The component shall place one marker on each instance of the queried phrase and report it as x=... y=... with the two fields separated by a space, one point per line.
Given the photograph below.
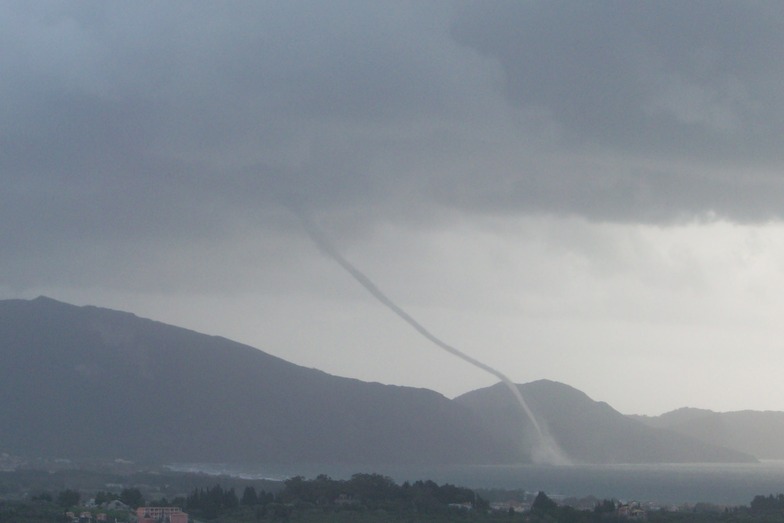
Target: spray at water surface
x=546 y=450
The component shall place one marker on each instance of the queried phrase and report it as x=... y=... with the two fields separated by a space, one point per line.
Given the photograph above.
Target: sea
x=665 y=484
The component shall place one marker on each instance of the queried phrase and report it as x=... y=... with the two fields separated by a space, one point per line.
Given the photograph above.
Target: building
x=161 y=515
x=115 y=504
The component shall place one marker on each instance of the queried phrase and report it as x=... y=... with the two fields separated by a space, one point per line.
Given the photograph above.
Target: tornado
x=546 y=451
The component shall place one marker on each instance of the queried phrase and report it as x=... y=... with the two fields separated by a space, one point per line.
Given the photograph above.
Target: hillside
x=82 y=382
x=86 y=382
x=754 y=432
x=586 y=430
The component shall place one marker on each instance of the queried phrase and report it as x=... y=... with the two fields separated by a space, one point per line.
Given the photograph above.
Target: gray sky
x=590 y=192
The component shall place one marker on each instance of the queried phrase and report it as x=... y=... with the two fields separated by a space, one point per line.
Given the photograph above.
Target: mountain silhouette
x=760 y=433
x=586 y=430
x=86 y=382
x=94 y=383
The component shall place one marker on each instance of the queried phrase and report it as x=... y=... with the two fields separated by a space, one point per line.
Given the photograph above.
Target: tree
x=43 y=496
x=607 y=506
x=68 y=498
x=249 y=496
x=543 y=504
x=230 y=499
x=372 y=488
x=132 y=497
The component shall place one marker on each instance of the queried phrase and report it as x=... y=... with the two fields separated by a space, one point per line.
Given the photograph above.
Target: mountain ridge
x=93 y=382
x=589 y=431
x=95 y=370
x=760 y=433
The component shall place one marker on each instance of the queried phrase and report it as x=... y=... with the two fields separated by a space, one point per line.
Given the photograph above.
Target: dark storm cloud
x=213 y=91
x=689 y=88
x=144 y=122
x=676 y=77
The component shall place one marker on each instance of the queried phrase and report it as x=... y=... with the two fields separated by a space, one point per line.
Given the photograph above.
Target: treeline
x=375 y=491
x=373 y=498
x=213 y=501
x=363 y=492
x=767 y=504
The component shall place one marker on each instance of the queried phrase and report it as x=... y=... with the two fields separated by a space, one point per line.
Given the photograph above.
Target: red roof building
x=161 y=515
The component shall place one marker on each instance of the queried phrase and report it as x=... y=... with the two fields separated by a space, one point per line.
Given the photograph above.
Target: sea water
x=723 y=484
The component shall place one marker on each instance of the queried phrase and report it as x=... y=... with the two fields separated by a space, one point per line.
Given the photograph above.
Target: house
x=512 y=504
x=632 y=511
x=115 y=504
x=161 y=515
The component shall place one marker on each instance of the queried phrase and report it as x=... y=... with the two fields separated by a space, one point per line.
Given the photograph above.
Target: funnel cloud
x=546 y=449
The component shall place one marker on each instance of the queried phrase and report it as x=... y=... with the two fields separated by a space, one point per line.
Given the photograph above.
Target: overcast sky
x=589 y=192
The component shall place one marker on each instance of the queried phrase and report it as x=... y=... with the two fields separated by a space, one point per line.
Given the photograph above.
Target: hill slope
x=754 y=432
x=586 y=430
x=88 y=382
